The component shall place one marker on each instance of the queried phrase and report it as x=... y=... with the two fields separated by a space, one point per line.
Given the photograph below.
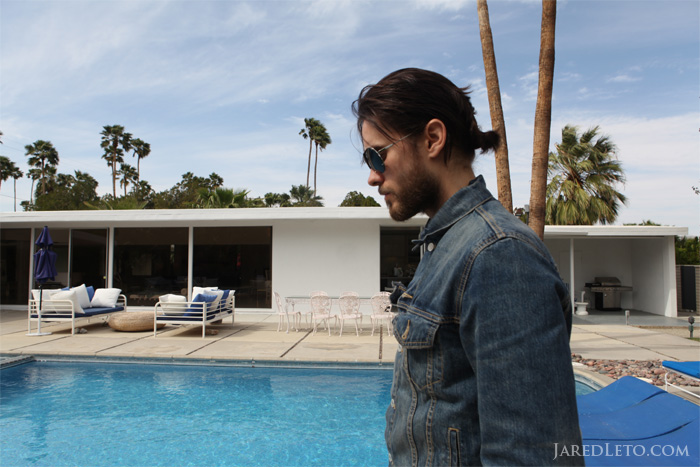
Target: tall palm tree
x=128 y=175
x=321 y=140
x=6 y=167
x=583 y=174
x=498 y=123
x=543 y=119
x=115 y=142
x=141 y=150
x=43 y=156
x=309 y=132
x=34 y=175
x=15 y=173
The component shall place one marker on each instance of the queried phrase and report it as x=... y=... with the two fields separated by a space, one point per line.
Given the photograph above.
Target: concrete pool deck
x=254 y=337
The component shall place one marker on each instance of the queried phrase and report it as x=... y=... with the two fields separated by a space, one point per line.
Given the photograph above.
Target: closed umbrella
x=44 y=269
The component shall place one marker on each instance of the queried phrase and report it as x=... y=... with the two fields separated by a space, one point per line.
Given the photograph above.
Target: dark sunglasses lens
x=374 y=160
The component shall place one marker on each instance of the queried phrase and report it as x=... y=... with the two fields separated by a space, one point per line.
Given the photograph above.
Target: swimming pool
x=58 y=413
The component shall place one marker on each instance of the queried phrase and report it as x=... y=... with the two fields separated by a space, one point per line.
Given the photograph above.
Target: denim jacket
x=483 y=374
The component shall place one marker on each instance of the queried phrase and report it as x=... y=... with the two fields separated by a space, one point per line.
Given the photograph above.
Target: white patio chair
x=380 y=310
x=321 y=310
x=283 y=313
x=349 y=304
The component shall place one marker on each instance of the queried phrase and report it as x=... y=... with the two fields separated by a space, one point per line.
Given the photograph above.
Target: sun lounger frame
x=63 y=311
x=194 y=313
x=679 y=372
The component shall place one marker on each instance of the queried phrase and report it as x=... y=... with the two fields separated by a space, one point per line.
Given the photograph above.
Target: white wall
x=654 y=275
x=329 y=255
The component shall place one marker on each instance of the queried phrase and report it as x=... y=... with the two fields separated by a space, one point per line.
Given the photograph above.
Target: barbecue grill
x=606 y=291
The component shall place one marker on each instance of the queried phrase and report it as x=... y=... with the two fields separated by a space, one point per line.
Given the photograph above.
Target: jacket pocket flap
x=413 y=331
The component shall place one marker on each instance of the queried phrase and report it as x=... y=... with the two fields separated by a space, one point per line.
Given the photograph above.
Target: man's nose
x=375 y=178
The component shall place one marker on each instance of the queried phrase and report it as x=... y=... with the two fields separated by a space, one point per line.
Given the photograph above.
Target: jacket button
x=431 y=246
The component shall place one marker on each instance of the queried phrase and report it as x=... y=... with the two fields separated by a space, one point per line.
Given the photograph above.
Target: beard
x=420 y=192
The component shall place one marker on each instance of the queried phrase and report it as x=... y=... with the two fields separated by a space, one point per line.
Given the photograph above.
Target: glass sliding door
x=150 y=262
x=15 y=247
x=237 y=258
x=398 y=260
x=88 y=263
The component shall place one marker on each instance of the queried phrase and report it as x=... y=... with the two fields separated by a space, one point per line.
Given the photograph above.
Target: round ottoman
x=133 y=321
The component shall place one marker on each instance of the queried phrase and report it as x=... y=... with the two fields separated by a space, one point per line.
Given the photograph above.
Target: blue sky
x=224 y=86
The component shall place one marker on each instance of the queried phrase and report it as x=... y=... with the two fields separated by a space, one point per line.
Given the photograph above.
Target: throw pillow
x=68 y=295
x=173 y=305
x=90 y=291
x=41 y=295
x=105 y=298
x=82 y=294
x=196 y=309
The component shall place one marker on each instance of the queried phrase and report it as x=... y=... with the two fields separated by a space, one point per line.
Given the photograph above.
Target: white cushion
x=68 y=295
x=41 y=295
x=205 y=290
x=82 y=294
x=105 y=298
x=215 y=304
x=172 y=304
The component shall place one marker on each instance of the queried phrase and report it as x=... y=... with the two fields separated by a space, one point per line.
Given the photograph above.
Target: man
x=483 y=374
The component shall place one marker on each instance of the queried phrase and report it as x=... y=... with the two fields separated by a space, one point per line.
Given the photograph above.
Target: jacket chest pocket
x=423 y=361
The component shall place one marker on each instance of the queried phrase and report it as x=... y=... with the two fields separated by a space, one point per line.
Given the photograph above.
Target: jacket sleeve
x=514 y=331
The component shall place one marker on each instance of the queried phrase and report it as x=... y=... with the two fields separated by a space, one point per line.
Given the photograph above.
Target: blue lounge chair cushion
x=688 y=368
x=197 y=310
x=678 y=448
x=88 y=312
x=656 y=416
x=619 y=394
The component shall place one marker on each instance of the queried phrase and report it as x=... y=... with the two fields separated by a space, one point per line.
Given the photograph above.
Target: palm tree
x=498 y=123
x=128 y=175
x=304 y=196
x=115 y=142
x=309 y=132
x=6 y=167
x=222 y=198
x=141 y=150
x=15 y=173
x=583 y=174
x=321 y=140
x=34 y=175
x=543 y=119
x=43 y=156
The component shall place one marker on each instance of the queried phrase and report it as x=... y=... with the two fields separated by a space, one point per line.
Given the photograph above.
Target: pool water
x=57 y=413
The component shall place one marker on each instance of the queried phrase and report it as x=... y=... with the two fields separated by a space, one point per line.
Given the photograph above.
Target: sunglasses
x=374 y=159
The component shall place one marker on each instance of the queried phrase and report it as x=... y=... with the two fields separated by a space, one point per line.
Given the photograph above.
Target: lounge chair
x=65 y=306
x=624 y=392
x=204 y=309
x=688 y=369
x=631 y=422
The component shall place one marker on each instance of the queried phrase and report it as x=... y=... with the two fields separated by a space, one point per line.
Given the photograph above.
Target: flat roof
x=262 y=216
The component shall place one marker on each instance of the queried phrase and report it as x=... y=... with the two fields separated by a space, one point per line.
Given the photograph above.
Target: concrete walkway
x=253 y=337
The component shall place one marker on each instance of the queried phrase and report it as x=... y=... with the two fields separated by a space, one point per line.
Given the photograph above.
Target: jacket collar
x=457 y=207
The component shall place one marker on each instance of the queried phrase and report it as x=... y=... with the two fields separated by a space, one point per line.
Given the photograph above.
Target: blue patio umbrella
x=44 y=267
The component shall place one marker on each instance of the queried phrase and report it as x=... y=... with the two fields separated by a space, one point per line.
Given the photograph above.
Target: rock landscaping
x=650 y=370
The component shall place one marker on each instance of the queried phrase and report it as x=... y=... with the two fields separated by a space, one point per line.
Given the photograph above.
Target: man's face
x=408 y=188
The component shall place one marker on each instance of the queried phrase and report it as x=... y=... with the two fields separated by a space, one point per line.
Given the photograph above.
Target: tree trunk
x=315 y=167
x=308 y=167
x=543 y=119
x=505 y=195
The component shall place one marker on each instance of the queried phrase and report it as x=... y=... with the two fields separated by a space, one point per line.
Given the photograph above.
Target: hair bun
x=486 y=140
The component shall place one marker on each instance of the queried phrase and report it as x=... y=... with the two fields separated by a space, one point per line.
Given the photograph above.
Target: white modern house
x=294 y=251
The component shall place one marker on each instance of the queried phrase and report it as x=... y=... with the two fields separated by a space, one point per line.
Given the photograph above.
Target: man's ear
x=435 y=136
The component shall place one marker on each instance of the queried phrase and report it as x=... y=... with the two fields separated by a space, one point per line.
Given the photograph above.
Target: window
x=88 y=263
x=14 y=266
x=398 y=260
x=237 y=258
x=150 y=262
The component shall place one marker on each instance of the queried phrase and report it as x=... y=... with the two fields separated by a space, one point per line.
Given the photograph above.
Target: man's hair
x=404 y=101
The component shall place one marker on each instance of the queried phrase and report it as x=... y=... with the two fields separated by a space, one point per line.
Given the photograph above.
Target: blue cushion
x=200 y=298
x=90 y=291
x=225 y=295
